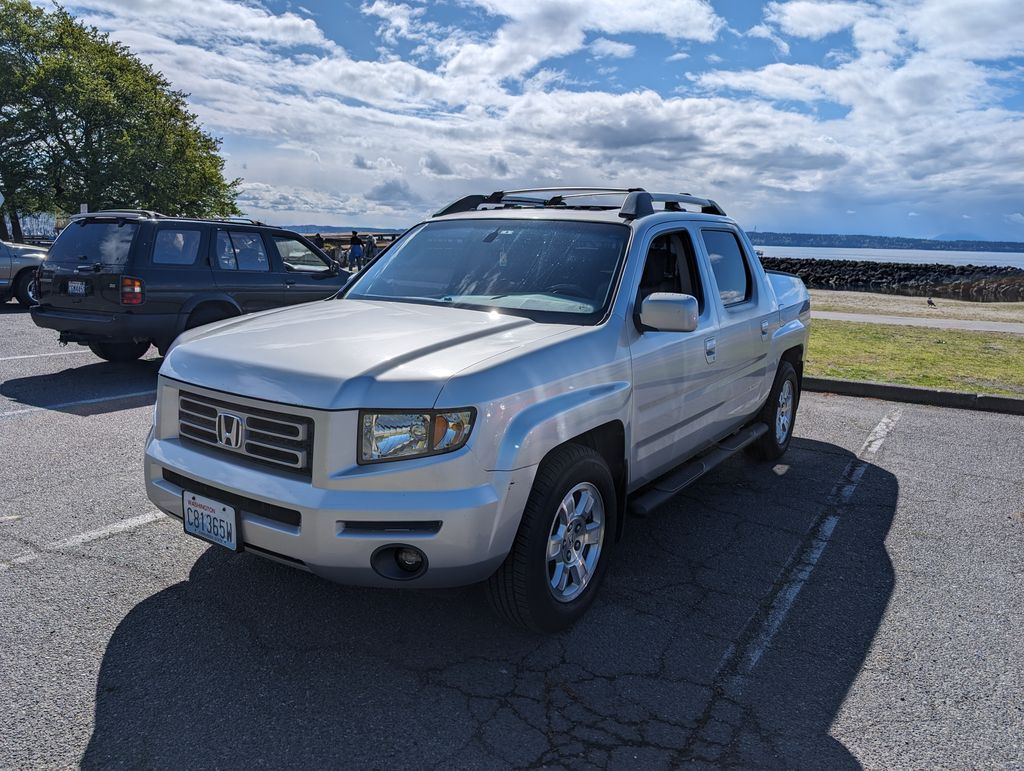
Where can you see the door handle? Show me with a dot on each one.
(289, 283)
(710, 346)
(764, 329)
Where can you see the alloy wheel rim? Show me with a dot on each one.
(574, 542)
(784, 413)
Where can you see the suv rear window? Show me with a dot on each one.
(104, 242)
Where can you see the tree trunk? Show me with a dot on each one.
(16, 235)
(4, 235)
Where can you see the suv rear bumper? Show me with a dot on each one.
(465, 533)
(89, 326)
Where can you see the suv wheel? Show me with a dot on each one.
(779, 414)
(561, 551)
(119, 352)
(25, 289)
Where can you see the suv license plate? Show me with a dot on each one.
(210, 520)
(76, 287)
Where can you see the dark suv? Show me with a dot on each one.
(119, 281)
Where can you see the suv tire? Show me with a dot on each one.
(23, 289)
(779, 414)
(535, 588)
(119, 352)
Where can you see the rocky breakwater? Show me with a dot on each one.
(956, 282)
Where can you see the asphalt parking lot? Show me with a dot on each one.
(860, 603)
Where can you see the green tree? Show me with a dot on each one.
(82, 120)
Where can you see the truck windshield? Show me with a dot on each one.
(94, 241)
(549, 271)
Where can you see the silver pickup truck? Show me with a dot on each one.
(489, 399)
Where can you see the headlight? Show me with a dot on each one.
(395, 435)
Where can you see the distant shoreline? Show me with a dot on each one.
(841, 241)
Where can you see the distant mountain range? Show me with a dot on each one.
(840, 241)
(334, 229)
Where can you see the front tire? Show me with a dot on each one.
(120, 353)
(560, 554)
(779, 414)
(24, 288)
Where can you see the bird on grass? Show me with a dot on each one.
(931, 303)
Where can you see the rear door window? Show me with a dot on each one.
(108, 243)
(239, 250)
(176, 246)
(732, 274)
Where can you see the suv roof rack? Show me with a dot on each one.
(637, 202)
(240, 220)
(138, 213)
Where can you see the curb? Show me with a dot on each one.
(960, 400)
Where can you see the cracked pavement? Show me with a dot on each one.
(148, 648)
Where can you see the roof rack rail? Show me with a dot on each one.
(119, 212)
(638, 202)
(240, 220)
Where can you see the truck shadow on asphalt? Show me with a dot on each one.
(96, 388)
(250, 663)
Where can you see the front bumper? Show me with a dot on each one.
(340, 529)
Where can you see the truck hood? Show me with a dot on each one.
(347, 354)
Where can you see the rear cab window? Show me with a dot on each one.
(732, 273)
(94, 241)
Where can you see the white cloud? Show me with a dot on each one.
(678, 56)
(912, 214)
(812, 19)
(766, 32)
(1017, 218)
(603, 47)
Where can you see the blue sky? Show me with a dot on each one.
(899, 117)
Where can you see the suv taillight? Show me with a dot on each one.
(132, 291)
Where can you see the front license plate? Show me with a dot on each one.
(210, 520)
(76, 287)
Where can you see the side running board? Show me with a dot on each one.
(668, 486)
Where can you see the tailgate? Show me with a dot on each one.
(84, 266)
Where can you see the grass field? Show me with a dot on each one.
(897, 305)
(976, 362)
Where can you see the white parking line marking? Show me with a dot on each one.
(78, 540)
(40, 355)
(65, 405)
(802, 567)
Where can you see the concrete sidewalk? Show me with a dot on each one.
(935, 322)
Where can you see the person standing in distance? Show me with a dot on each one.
(355, 251)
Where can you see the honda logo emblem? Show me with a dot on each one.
(229, 430)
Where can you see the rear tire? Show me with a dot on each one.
(119, 352)
(779, 414)
(561, 552)
(24, 288)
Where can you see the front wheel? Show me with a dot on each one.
(779, 414)
(560, 554)
(119, 352)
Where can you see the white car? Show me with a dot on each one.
(488, 399)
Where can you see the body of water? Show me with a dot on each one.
(914, 256)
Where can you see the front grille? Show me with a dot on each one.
(273, 438)
(251, 505)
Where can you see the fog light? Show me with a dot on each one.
(408, 559)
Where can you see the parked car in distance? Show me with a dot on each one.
(120, 281)
(487, 400)
(18, 263)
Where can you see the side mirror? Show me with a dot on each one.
(669, 312)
